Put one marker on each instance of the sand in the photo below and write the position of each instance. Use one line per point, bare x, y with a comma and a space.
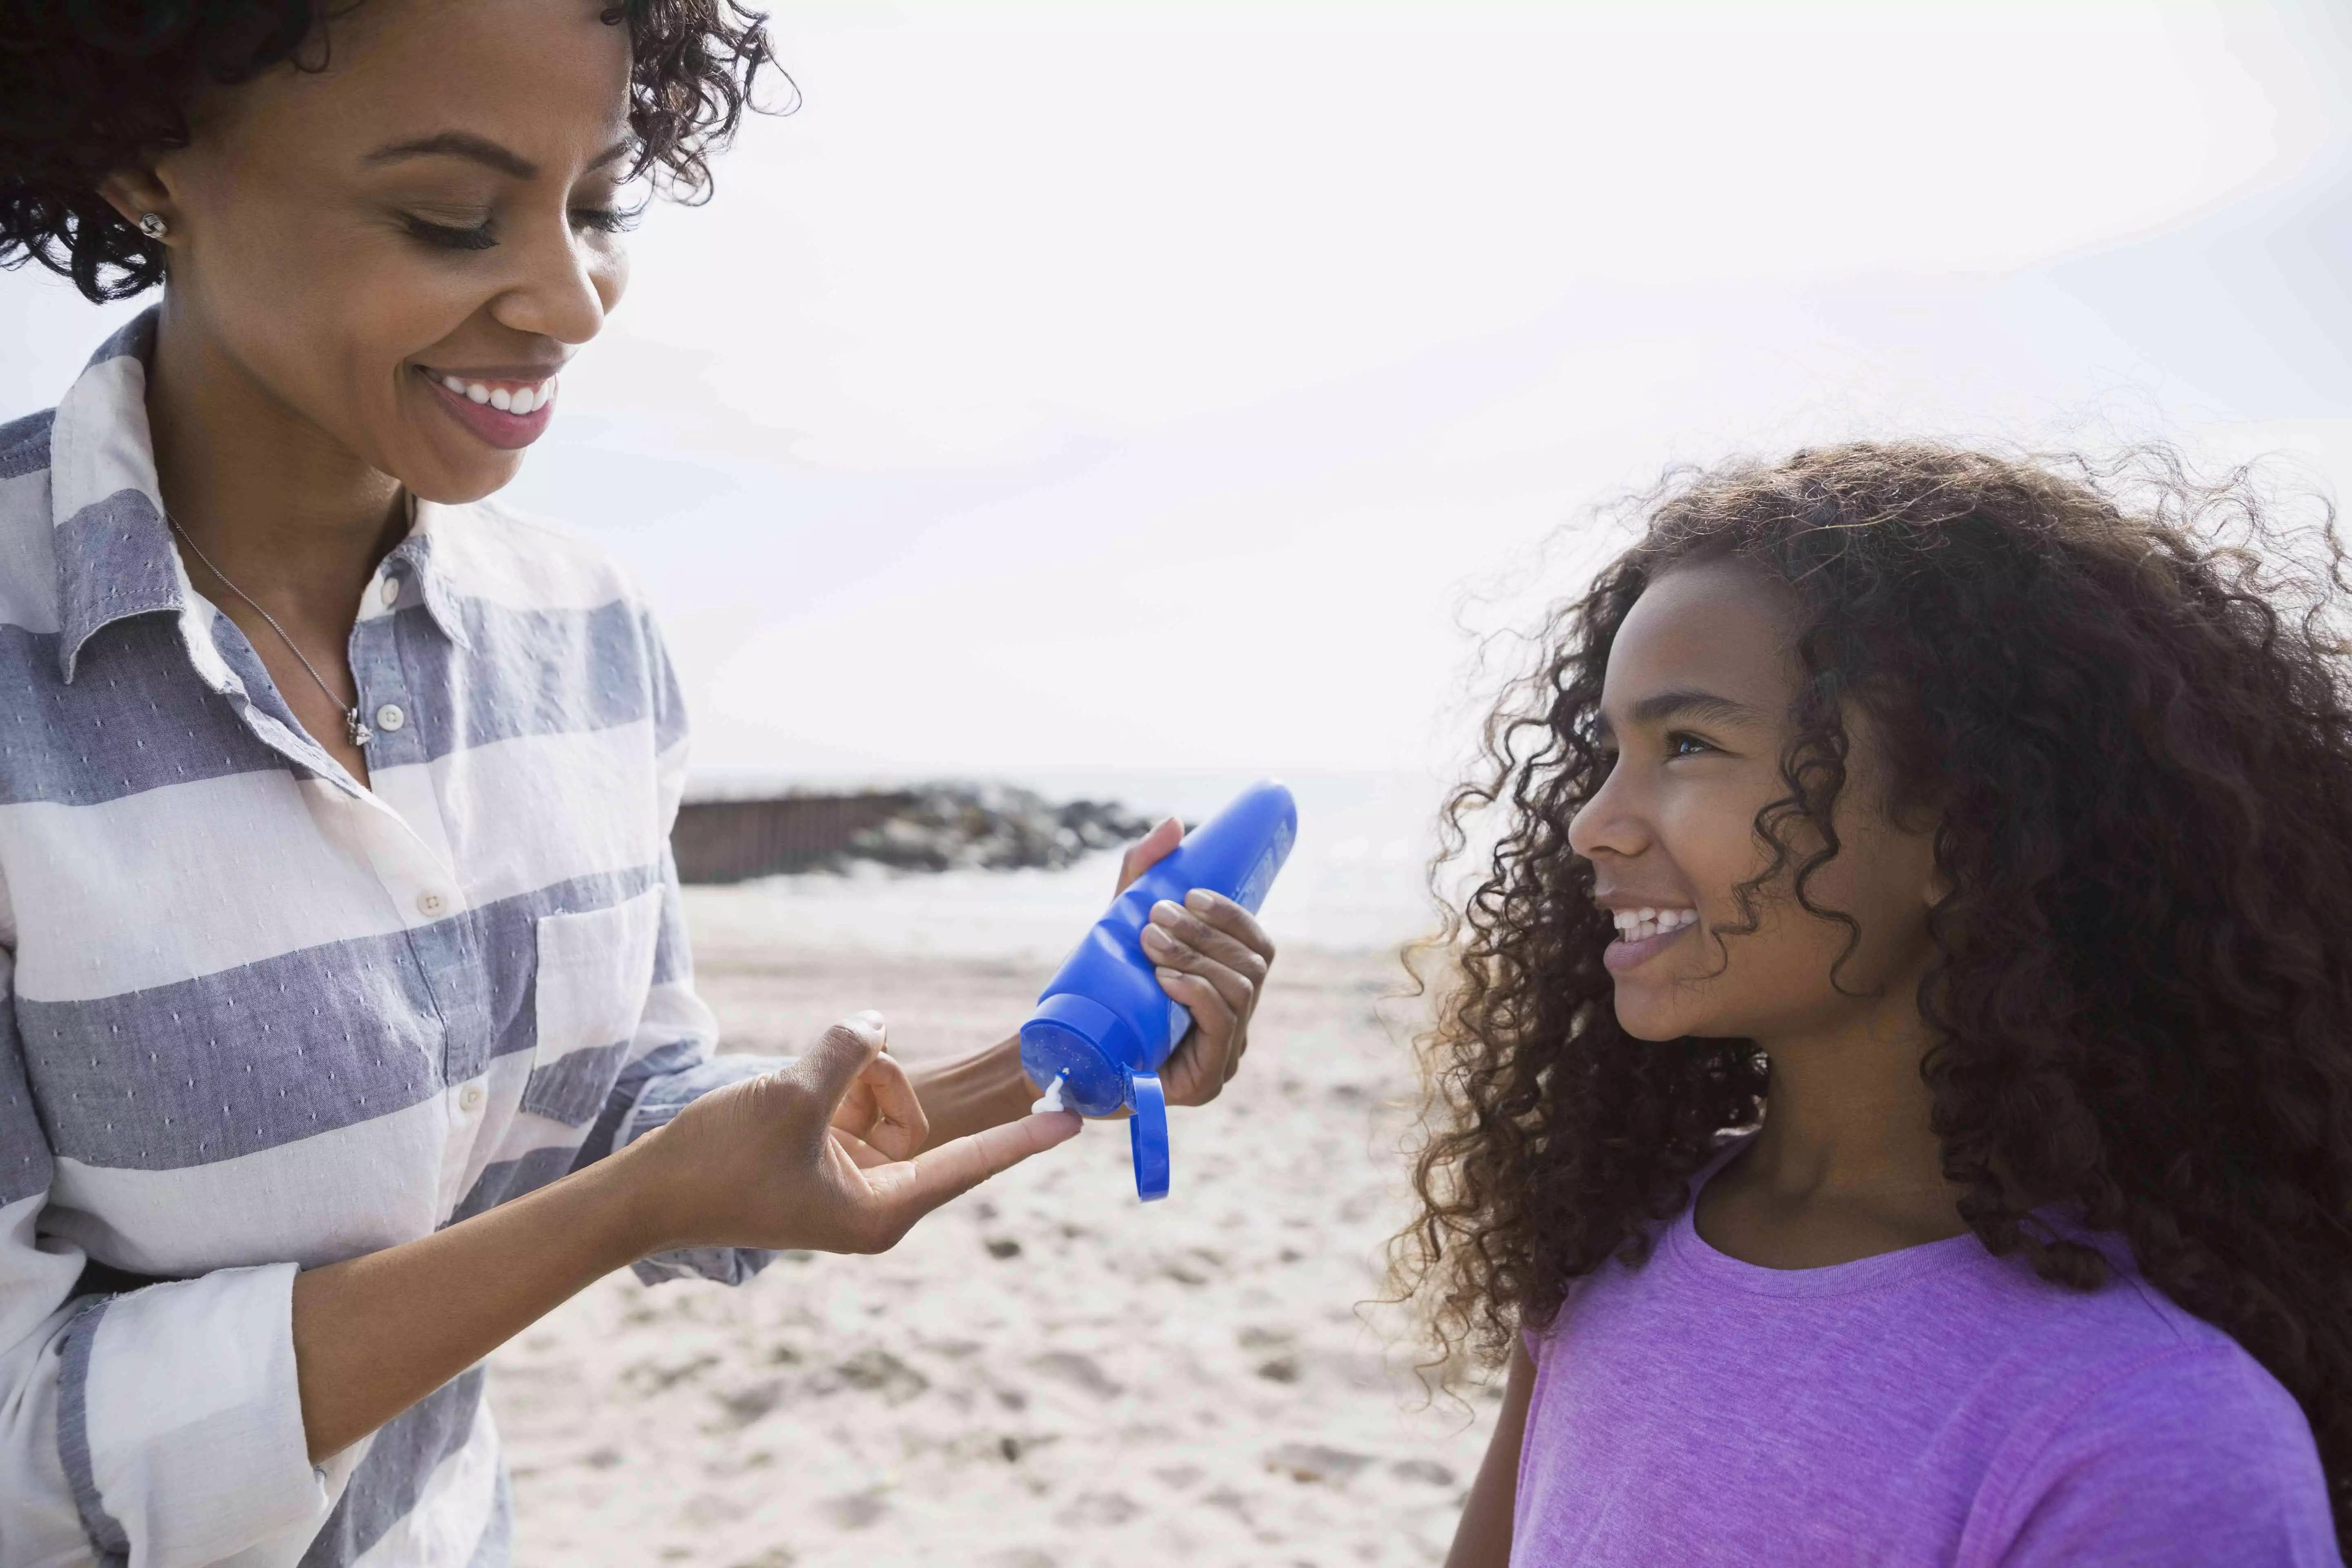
1047, 1373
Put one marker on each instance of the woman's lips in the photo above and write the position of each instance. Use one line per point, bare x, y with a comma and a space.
1622, 954
501, 427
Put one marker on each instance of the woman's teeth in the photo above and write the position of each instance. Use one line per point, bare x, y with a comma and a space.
522, 400
1640, 925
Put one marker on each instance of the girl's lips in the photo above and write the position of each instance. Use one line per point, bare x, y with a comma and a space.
1621, 955
494, 426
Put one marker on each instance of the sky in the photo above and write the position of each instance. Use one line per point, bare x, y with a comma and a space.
1204, 386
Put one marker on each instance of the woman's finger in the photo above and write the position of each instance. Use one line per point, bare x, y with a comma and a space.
900, 1125
1173, 920
836, 1062
1234, 987
1216, 909
1147, 852
907, 1190
862, 1154
1214, 1024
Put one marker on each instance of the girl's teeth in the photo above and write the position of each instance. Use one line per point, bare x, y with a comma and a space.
502, 399
523, 402
1640, 925
477, 393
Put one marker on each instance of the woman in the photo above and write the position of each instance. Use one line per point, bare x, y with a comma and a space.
349, 1024
1896, 1103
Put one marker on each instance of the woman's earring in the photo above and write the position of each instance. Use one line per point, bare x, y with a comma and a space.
152, 226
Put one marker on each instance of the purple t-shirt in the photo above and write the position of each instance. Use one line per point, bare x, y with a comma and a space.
1931, 1405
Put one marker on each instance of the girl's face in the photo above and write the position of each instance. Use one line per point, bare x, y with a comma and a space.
1694, 706
437, 205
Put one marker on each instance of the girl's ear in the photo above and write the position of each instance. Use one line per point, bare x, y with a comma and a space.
1939, 888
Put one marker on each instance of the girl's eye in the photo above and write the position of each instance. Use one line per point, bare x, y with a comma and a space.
1686, 746
477, 237
605, 220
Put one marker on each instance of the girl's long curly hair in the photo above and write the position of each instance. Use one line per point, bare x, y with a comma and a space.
88, 87
2125, 695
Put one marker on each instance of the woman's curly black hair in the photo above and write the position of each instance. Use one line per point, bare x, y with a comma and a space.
2125, 695
88, 87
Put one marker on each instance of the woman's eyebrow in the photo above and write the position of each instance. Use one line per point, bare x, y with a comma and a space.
482, 150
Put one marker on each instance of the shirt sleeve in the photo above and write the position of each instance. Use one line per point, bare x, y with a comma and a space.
673, 1058
159, 1428
2197, 1457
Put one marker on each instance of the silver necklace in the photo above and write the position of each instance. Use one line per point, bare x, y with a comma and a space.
359, 732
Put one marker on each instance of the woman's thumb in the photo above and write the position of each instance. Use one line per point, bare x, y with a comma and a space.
841, 1054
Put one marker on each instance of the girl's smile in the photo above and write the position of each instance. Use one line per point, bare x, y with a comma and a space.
1644, 931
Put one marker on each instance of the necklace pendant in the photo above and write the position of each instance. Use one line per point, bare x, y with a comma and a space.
359, 733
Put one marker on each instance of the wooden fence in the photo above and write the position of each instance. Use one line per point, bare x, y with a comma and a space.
730, 840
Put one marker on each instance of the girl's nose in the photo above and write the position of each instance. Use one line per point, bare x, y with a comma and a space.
1610, 823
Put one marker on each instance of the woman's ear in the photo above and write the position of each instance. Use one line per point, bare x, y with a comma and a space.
136, 193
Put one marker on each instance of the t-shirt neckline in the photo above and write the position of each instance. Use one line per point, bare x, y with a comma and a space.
1690, 1250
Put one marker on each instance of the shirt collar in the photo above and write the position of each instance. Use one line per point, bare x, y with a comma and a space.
114, 555
432, 555
114, 549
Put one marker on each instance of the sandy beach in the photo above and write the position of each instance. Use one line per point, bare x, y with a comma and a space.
1047, 1373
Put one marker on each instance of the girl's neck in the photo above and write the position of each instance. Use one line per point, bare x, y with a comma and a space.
1847, 1163
294, 517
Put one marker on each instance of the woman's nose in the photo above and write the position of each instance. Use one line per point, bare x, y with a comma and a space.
564, 290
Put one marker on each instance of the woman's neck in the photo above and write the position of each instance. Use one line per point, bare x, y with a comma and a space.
293, 518
288, 525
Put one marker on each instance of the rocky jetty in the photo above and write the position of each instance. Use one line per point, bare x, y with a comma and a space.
991, 827
922, 827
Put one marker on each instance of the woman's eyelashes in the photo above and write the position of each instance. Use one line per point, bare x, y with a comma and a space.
607, 220
484, 235
1679, 744
449, 236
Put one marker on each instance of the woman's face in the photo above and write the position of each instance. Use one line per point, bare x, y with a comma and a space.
436, 206
1694, 706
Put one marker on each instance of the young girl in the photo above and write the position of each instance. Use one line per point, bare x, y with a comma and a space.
1895, 1104
346, 1023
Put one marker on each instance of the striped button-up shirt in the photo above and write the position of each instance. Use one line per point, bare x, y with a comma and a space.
256, 1018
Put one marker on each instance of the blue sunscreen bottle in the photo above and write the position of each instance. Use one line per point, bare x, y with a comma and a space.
1104, 1026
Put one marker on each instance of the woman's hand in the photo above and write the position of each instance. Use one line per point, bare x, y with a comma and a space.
1213, 956
880, 1120
821, 1154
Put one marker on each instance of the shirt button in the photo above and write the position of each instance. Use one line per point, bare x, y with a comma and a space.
389, 717
470, 1097
429, 904
390, 592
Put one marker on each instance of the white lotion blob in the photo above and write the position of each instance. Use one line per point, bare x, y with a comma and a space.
1051, 1099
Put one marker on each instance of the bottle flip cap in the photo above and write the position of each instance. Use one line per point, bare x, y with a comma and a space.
1147, 1135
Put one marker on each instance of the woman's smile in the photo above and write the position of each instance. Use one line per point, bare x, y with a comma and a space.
505, 412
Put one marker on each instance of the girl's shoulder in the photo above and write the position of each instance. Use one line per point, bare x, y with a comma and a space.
2186, 1451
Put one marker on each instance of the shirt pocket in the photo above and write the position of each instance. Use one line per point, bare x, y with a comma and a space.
594, 970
